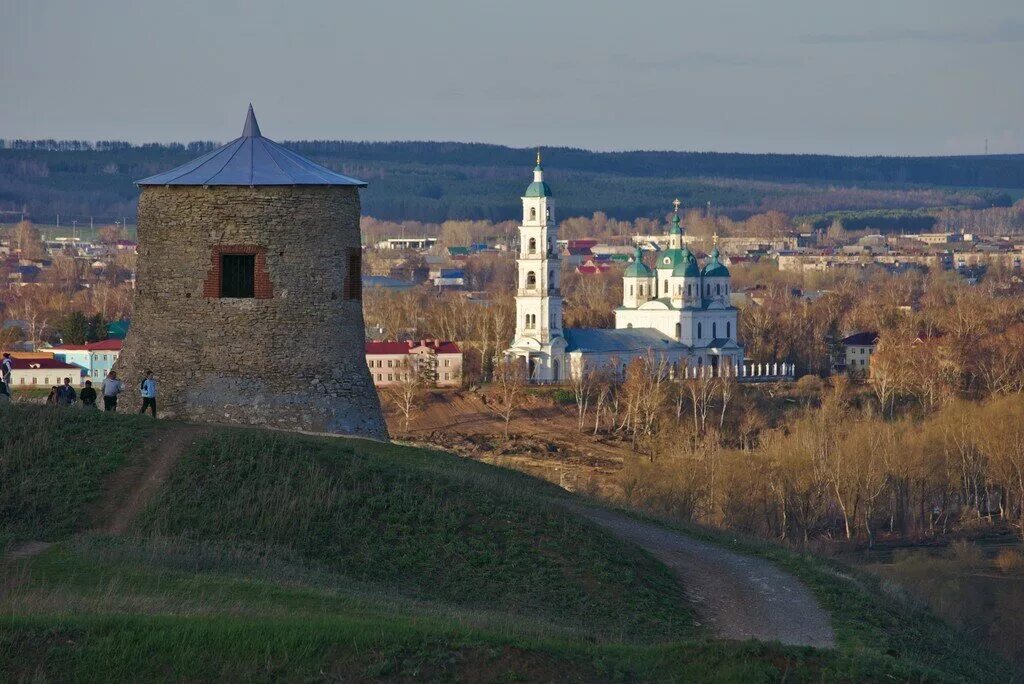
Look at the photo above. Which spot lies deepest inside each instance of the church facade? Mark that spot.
(677, 312)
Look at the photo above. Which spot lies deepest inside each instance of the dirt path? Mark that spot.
(132, 487)
(742, 597)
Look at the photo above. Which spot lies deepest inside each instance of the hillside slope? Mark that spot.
(271, 556)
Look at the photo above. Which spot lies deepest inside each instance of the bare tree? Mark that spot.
(510, 385)
(582, 380)
(406, 394)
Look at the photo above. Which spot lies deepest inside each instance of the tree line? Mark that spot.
(442, 181)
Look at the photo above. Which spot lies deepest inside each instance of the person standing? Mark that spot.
(111, 388)
(5, 393)
(148, 390)
(88, 395)
(6, 368)
(53, 396)
(66, 395)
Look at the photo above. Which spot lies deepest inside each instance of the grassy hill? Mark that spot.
(273, 556)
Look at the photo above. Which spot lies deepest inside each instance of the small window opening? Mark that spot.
(238, 276)
(354, 277)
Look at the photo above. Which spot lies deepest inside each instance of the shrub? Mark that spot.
(1010, 561)
(564, 396)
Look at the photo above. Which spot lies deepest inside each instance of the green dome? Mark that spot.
(670, 258)
(537, 189)
(715, 268)
(675, 229)
(688, 267)
(637, 269)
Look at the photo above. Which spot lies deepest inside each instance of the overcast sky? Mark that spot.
(864, 77)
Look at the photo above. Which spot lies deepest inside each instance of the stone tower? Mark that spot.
(539, 336)
(248, 303)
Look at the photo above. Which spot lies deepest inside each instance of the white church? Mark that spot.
(678, 312)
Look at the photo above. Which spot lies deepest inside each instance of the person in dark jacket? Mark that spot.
(148, 390)
(6, 366)
(66, 395)
(88, 395)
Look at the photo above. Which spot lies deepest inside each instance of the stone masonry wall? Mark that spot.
(290, 358)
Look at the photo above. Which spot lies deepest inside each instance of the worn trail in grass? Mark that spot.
(266, 556)
(742, 596)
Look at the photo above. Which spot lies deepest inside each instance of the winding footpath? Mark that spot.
(741, 597)
(130, 488)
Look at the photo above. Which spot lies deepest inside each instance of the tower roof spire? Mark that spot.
(538, 167)
(251, 129)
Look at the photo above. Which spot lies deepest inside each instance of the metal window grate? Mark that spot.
(238, 275)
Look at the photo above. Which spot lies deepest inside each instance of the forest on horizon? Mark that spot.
(438, 181)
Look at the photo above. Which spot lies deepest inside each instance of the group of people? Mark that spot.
(65, 394)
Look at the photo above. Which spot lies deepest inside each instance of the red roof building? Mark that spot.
(593, 266)
(437, 362)
(42, 373)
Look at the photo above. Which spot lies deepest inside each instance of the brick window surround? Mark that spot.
(262, 289)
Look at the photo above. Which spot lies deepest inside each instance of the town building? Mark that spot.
(43, 373)
(435, 362)
(592, 266)
(450, 277)
(678, 311)
(413, 243)
(96, 359)
(857, 351)
(249, 300)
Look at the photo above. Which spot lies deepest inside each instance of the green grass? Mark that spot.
(426, 524)
(270, 556)
(52, 465)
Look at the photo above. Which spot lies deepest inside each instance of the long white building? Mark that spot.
(677, 311)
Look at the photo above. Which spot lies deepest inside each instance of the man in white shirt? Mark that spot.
(111, 388)
(148, 390)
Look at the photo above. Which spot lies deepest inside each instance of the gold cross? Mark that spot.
(676, 204)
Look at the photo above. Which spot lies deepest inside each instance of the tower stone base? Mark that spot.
(291, 357)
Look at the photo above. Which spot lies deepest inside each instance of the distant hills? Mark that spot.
(435, 181)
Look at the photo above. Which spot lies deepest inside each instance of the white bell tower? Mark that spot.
(539, 295)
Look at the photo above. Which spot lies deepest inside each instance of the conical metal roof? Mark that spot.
(251, 160)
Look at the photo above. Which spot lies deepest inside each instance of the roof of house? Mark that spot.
(386, 282)
(34, 364)
(619, 340)
(118, 329)
(452, 273)
(590, 267)
(104, 345)
(251, 160)
(395, 347)
(861, 339)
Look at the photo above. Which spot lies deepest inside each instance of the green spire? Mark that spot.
(675, 230)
